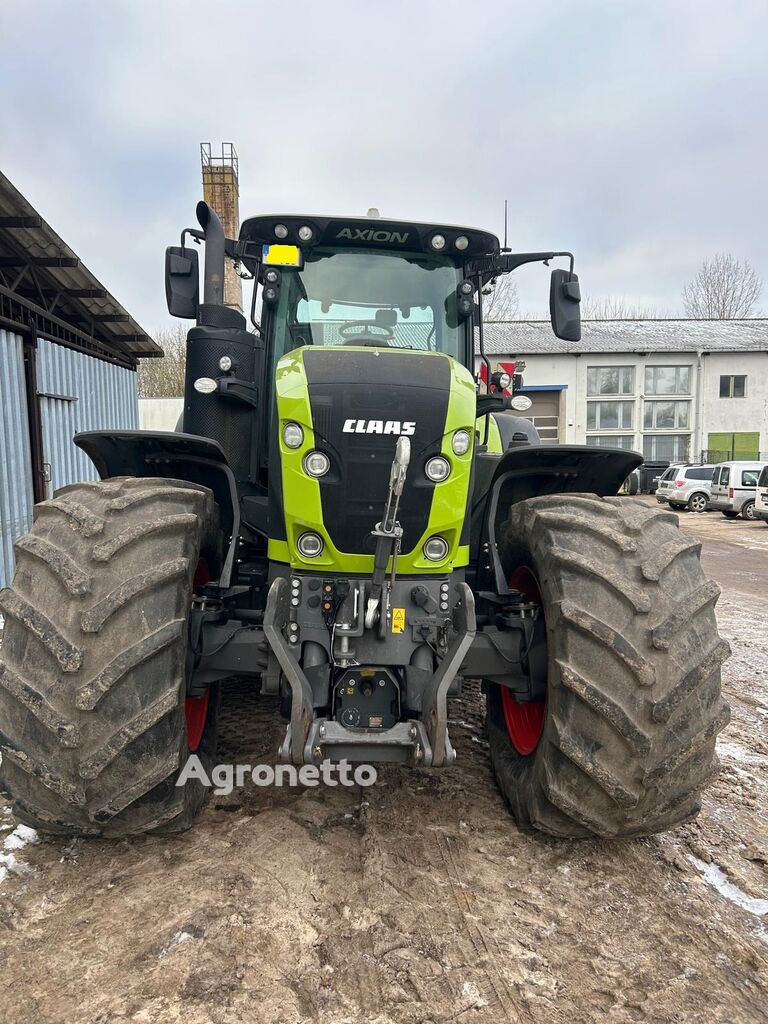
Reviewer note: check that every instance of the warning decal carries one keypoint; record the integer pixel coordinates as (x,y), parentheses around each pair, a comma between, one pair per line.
(398,620)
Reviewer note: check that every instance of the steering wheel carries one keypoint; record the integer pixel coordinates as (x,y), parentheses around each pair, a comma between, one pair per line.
(351,334)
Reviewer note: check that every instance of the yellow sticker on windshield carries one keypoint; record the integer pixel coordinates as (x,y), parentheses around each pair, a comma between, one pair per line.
(398,620)
(281,255)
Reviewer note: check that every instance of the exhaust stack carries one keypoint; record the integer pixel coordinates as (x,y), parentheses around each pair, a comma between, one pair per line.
(213,277)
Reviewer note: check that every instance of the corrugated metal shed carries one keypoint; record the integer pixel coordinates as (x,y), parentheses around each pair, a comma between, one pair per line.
(533,337)
(78,392)
(68,357)
(15,462)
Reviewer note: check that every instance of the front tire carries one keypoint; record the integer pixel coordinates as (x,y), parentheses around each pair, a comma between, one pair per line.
(92,672)
(748,511)
(633,703)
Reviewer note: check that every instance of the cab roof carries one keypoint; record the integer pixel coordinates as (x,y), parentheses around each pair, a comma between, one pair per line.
(370,233)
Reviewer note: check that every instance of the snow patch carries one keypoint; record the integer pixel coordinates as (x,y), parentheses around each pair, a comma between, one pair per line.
(21,836)
(736,752)
(718,879)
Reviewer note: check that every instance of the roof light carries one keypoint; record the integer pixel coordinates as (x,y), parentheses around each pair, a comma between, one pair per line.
(461,243)
(305,232)
(438,242)
(281,231)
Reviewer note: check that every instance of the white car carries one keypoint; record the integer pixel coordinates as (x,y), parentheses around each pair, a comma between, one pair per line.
(761,496)
(733,488)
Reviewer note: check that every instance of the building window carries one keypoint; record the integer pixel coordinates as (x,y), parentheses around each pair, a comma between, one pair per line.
(667,415)
(733,386)
(666,447)
(610,415)
(626,441)
(610,380)
(668,380)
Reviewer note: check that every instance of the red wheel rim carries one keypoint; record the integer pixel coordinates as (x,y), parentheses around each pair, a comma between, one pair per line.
(524,722)
(195,713)
(196,708)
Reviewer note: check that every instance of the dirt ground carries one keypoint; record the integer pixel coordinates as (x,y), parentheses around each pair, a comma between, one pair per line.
(418,899)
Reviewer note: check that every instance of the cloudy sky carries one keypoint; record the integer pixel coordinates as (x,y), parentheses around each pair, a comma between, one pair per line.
(634,134)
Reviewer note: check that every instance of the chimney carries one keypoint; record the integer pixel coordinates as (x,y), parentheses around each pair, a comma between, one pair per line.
(221,190)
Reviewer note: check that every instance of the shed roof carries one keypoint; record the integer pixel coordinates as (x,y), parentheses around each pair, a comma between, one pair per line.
(534,337)
(38,269)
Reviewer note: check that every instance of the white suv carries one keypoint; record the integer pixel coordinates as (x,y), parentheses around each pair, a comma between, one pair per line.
(686,486)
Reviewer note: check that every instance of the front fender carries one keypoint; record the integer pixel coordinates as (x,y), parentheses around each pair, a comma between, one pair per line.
(179,456)
(530,471)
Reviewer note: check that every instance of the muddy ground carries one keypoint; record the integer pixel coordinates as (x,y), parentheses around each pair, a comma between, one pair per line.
(417,900)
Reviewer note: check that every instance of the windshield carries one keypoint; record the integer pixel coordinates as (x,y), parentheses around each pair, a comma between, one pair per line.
(369,297)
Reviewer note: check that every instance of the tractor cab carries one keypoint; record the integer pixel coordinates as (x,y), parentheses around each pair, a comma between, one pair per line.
(365,283)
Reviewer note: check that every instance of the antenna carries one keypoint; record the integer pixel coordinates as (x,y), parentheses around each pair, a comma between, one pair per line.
(505,223)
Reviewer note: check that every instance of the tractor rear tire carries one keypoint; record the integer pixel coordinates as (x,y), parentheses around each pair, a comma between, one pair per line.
(92,665)
(633,704)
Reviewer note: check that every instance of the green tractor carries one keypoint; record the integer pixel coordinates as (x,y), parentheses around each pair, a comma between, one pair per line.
(356,521)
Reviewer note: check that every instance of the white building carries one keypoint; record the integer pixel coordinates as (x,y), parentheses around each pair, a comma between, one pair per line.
(671,389)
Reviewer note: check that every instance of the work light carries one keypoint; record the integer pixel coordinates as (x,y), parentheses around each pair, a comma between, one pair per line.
(310,544)
(461,442)
(293,435)
(436,549)
(438,469)
(316,463)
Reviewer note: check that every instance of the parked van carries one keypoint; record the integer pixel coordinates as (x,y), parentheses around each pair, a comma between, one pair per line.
(761,496)
(685,486)
(734,487)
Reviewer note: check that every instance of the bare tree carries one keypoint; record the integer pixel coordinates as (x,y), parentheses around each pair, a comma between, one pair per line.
(164,378)
(612,308)
(500,300)
(725,288)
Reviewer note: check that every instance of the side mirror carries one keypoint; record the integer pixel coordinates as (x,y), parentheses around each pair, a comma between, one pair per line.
(182,282)
(564,308)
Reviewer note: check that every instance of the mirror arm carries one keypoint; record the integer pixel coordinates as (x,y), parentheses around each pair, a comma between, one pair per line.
(195,233)
(504,263)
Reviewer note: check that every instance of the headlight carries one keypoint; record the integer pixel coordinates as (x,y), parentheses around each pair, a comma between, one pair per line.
(310,545)
(225,364)
(504,380)
(436,549)
(205,385)
(316,463)
(293,435)
(461,442)
(438,469)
